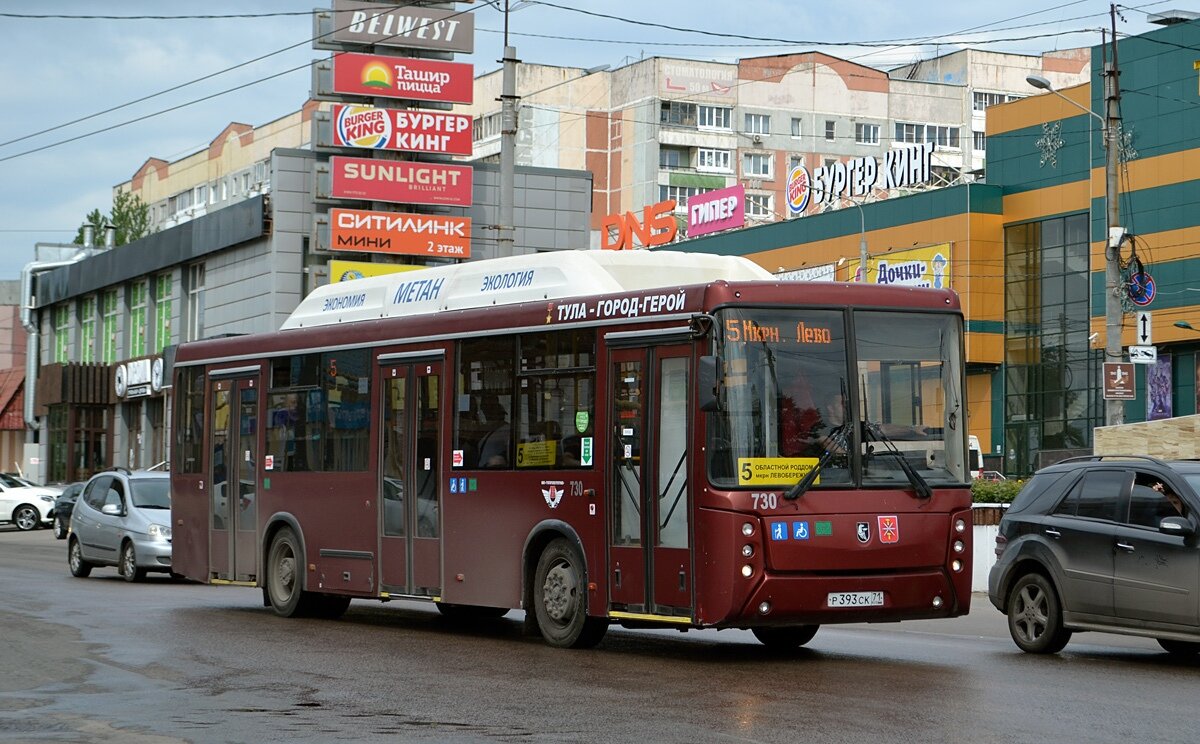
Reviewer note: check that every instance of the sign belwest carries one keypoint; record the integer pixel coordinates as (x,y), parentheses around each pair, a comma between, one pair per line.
(401,129)
(402,182)
(399,233)
(403,77)
(403,26)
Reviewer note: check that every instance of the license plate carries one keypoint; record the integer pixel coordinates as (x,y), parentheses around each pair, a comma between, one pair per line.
(855,599)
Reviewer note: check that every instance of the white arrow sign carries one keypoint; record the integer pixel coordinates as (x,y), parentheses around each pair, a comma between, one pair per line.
(1144,328)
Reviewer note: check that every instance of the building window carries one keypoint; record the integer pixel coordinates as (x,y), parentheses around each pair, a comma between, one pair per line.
(979,141)
(108,333)
(87,329)
(797,127)
(830,131)
(137,318)
(760,206)
(673,158)
(714,117)
(224,189)
(62,330)
(212,193)
(233,185)
(1051,395)
(981,101)
(201,197)
(677,113)
(195,302)
(866,134)
(485,126)
(943,136)
(162,311)
(679,194)
(714,160)
(758,124)
(757,165)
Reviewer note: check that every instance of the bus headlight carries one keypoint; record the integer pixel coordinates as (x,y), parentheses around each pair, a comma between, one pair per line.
(747,550)
(747,529)
(956,564)
(747,570)
(959,546)
(960,525)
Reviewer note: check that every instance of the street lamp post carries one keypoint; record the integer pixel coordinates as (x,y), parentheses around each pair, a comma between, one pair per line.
(1114,410)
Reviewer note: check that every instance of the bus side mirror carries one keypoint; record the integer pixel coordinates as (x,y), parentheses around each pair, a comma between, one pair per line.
(710,392)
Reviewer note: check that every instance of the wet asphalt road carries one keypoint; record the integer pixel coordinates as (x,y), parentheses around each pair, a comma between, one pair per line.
(100,660)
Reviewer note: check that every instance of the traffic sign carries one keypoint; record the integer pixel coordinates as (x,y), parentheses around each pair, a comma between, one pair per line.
(1143,354)
(1141,289)
(1143,329)
(1118,381)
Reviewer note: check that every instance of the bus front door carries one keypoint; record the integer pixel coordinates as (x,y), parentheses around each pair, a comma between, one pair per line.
(410,550)
(650,550)
(233,505)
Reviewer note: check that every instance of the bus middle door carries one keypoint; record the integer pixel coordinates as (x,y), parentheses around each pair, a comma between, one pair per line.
(233,506)
(410,551)
(650,545)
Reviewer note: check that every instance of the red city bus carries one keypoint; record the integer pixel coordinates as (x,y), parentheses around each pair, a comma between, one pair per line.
(653,439)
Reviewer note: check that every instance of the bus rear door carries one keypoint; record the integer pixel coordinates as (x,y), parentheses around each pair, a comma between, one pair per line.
(650,545)
(410,550)
(233,506)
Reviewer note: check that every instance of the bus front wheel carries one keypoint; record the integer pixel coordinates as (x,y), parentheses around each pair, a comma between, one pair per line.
(285,577)
(560,599)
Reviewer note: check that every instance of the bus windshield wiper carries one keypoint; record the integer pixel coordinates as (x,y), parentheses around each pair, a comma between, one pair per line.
(838,441)
(918,483)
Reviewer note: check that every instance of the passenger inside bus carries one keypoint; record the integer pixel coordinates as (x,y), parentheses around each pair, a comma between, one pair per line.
(804,427)
(494,444)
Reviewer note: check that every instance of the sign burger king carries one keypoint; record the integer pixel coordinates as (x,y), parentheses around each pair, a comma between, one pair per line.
(401,129)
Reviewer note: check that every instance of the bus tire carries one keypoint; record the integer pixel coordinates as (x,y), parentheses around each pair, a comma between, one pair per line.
(787,638)
(285,576)
(560,599)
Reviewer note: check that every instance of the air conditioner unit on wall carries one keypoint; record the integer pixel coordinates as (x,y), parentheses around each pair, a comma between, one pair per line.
(757,139)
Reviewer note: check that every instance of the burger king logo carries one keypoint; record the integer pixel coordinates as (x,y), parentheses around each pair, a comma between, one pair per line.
(799,189)
(363,126)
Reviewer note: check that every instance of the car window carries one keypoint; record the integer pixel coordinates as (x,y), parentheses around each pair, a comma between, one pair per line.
(10,482)
(1035,487)
(151,493)
(113,496)
(1096,495)
(96,491)
(1153,499)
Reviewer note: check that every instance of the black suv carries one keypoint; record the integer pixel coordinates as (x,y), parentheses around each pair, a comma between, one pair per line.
(1108,543)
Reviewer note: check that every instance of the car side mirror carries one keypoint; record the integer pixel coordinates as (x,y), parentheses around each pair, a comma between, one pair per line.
(1176,526)
(113,510)
(709,386)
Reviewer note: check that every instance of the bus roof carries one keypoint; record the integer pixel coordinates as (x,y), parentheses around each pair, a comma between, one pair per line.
(514,279)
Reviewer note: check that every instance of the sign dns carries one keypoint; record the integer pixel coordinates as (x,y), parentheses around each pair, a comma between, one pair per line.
(656,217)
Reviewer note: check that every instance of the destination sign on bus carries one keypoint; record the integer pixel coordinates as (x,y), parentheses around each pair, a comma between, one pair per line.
(751,331)
(763,471)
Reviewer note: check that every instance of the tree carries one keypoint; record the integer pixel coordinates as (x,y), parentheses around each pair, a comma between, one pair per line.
(130,214)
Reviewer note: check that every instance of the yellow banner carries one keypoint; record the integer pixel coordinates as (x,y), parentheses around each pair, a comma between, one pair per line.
(344,271)
(927,266)
(772,471)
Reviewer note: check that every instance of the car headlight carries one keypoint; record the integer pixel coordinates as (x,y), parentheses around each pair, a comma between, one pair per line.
(160,531)
(47,499)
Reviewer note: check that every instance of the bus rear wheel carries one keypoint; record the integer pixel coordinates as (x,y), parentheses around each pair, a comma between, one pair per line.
(786,638)
(560,599)
(285,575)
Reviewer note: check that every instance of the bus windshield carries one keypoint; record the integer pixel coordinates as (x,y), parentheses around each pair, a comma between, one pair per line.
(789,394)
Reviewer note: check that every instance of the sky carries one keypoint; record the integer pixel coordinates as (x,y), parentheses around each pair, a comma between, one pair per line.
(90,99)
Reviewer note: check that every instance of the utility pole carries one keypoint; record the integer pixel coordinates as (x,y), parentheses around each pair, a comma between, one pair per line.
(505,230)
(1114,410)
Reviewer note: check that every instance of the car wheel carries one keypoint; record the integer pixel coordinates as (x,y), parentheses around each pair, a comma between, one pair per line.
(559,599)
(26,517)
(785,639)
(1035,618)
(129,566)
(79,567)
(60,528)
(285,579)
(1182,649)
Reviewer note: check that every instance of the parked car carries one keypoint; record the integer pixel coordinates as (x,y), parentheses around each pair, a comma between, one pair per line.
(28,507)
(64,503)
(122,519)
(16,480)
(1102,543)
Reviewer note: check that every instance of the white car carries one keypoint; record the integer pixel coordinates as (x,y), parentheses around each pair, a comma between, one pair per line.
(28,507)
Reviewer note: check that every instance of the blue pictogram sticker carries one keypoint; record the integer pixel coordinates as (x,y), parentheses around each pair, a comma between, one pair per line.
(779,530)
(454,485)
(799,530)
(462,484)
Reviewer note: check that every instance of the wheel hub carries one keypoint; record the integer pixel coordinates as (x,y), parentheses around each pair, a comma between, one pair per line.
(558,592)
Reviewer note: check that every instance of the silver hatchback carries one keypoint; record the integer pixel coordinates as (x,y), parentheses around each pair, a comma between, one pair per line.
(122,519)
